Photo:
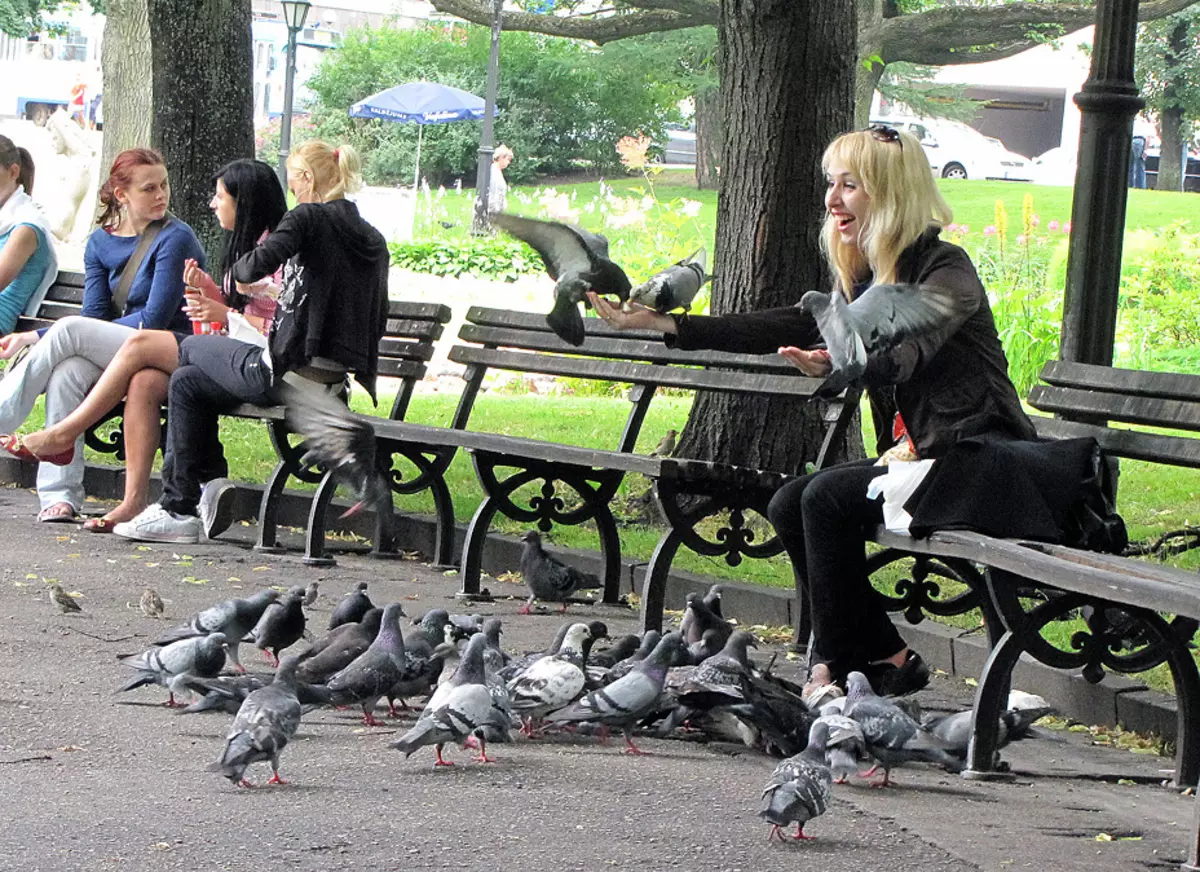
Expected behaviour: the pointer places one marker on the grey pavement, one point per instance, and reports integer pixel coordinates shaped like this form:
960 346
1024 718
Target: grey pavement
96 781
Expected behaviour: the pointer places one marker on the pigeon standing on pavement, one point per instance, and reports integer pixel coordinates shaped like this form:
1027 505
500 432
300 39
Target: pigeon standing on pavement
698 617
310 594
578 262
547 577
172 665
627 700
352 606
235 618
551 683
267 719
846 747
666 445
339 647
880 318
800 788
281 625
674 287
374 672
63 600
151 603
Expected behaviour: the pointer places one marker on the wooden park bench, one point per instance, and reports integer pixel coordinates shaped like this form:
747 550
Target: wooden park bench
572 485
1021 586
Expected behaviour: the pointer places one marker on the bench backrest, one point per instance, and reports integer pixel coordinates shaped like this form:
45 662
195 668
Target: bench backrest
1086 397
63 298
522 342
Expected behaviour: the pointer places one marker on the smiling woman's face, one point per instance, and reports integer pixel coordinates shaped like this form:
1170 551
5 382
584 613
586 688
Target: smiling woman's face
847 202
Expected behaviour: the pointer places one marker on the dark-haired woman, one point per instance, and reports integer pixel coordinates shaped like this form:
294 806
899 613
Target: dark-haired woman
27 262
68 358
248 202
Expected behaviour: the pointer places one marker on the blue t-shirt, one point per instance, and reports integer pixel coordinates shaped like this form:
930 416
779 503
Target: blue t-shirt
155 299
15 297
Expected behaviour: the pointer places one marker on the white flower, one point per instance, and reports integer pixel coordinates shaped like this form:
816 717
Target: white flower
690 208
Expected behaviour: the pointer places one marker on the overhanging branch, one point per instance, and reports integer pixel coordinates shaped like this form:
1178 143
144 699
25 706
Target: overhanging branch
657 16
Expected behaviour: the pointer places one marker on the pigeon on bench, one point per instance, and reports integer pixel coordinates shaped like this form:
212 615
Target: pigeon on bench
578 262
548 578
674 287
266 720
882 317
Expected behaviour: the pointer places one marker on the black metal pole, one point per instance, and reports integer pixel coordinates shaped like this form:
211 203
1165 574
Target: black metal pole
483 173
1108 102
285 122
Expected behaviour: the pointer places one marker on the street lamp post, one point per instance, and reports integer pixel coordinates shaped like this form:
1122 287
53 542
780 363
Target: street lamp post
294 13
483 174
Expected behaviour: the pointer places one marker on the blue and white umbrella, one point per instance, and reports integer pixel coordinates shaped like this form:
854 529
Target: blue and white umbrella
421 103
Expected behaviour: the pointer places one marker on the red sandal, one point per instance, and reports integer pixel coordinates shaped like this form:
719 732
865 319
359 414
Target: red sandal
15 445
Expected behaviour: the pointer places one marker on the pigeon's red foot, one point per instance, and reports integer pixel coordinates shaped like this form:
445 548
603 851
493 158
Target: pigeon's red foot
633 749
482 756
799 836
173 703
439 761
370 721
524 610
472 744
275 779
246 784
564 609
884 782
776 831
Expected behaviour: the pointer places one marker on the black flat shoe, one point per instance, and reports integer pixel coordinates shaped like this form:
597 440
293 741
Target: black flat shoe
889 680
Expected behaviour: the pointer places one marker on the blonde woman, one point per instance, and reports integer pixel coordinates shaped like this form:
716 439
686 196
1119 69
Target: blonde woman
883 216
331 314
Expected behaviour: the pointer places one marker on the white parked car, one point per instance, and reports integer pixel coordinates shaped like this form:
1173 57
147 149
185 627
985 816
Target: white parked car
956 151
1055 167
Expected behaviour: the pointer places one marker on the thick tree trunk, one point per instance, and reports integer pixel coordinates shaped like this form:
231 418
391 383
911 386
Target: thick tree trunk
127 84
709 137
1170 156
203 100
787 78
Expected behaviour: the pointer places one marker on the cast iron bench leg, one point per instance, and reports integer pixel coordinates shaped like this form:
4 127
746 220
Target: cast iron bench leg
610 554
990 698
443 507
472 560
314 540
268 511
1193 862
654 585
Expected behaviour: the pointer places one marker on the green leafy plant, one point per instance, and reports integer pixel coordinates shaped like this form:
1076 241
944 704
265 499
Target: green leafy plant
487 257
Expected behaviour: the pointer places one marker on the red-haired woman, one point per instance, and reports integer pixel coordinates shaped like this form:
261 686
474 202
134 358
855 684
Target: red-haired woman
67 359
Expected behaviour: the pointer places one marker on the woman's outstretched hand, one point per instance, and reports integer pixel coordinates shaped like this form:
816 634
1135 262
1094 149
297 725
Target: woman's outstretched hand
636 317
14 342
812 363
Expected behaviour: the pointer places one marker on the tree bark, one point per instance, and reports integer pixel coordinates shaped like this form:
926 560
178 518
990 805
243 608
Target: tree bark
787 80
203 100
709 137
1170 155
127 82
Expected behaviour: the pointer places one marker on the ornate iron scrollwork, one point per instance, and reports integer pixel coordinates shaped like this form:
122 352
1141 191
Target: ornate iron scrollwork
920 593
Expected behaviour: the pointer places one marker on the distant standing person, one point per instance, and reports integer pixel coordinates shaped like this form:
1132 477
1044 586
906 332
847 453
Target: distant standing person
78 93
1137 163
497 186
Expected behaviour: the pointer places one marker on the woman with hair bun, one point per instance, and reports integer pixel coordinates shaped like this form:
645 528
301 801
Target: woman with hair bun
119 298
331 315
27 261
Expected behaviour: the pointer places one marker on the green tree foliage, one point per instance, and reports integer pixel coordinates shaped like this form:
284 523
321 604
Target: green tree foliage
560 101
22 17
1168 79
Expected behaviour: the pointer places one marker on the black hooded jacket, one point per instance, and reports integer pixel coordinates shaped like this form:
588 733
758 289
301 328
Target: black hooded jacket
333 303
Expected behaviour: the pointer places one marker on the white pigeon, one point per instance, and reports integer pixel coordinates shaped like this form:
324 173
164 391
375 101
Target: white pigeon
550 683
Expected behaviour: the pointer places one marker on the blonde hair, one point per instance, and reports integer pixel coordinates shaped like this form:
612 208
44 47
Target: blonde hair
904 201
501 151
336 171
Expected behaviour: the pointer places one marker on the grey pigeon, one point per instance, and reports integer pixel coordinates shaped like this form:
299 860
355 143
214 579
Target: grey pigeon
800 788
63 600
609 657
548 578
880 318
955 729
235 618
266 721
334 651
709 644
621 668
227 692
666 445
846 748
374 672
552 682
151 603
351 608
172 665
891 734
281 625
702 618
311 593
432 628
627 700
335 438
775 708
578 262
712 599
674 287
461 710
715 682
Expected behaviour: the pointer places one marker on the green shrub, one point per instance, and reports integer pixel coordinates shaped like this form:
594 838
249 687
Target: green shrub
485 257
1159 318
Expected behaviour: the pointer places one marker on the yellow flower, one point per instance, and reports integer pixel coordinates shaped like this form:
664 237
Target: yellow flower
1027 222
1001 221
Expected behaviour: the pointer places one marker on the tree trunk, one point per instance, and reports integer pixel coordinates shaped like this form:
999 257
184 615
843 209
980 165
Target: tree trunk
1170 155
127 83
787 76
709 136
203 100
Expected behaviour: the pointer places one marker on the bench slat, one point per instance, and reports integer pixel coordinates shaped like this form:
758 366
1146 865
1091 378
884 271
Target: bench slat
1165 385
54 311
1151 447
1148 411
391 347
407 328
393 368
537 322
438 312
638 373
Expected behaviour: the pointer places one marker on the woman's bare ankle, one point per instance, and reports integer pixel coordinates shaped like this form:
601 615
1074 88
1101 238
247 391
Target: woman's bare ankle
896 660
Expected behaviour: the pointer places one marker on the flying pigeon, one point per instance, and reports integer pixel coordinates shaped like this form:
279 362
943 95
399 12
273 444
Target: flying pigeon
547 577
627 700
351 608
879 319
374 672
800 788
267 719
337 440
674 287
578 262
281 625
63 600
235 618
172 665
151 603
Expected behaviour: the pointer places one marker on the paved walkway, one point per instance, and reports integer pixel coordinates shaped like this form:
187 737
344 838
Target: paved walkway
96 781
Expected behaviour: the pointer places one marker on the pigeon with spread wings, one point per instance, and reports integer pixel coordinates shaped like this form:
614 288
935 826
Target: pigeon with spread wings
578 262
880 318
338 442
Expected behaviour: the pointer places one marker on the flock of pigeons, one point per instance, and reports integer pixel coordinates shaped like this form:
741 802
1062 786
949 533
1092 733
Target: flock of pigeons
699 677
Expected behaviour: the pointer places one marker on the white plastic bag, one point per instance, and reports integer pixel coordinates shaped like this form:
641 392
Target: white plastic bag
901 480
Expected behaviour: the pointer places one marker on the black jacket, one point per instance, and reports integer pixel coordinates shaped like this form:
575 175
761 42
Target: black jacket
944 392
333 303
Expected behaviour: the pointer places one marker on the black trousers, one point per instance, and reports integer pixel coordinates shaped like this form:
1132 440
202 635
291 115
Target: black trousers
215 375
822 520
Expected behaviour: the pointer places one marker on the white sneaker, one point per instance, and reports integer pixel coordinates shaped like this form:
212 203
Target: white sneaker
216 506
156 524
